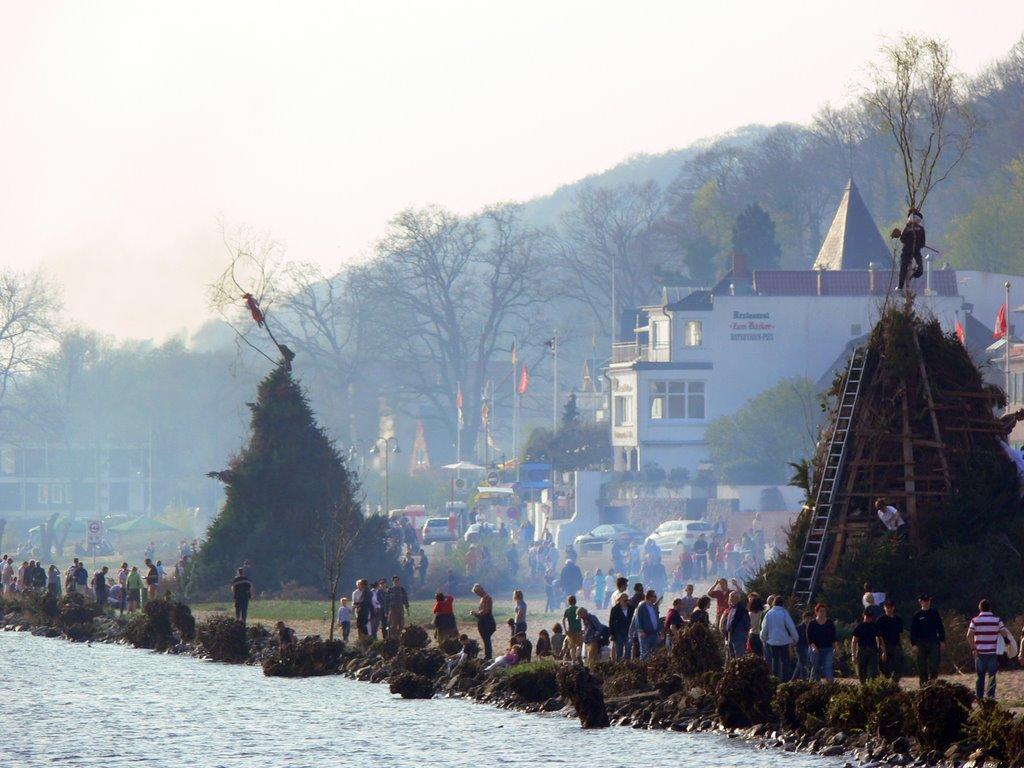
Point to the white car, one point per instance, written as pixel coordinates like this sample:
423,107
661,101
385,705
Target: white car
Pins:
436,529
675,533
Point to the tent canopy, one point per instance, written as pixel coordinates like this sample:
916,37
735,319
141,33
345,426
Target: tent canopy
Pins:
142,525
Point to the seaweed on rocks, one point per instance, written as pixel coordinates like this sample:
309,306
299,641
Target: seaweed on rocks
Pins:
450,646
696,650
941,709
183,622
427,662
745,692
412,686
785,698
534,681
991,729
583,690
893,716
415,637
310,657
223,639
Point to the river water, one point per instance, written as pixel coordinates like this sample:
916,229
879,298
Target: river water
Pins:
70,704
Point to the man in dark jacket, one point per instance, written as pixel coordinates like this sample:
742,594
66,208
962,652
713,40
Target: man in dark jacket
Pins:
619,619
736,626
571,578
890,627
928,638
912,236
241,593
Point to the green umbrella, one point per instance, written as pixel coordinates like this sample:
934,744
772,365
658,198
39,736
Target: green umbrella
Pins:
142,525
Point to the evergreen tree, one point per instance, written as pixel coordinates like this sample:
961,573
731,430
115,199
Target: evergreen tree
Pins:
753,235
570,413
284,489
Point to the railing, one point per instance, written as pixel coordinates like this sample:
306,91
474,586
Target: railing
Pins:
628,352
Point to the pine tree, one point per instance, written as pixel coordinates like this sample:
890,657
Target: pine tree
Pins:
284,490
570,413
753,235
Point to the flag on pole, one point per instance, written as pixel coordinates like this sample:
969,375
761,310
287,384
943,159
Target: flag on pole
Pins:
524,381
485,414
960,333
514,358
1000,330
458,406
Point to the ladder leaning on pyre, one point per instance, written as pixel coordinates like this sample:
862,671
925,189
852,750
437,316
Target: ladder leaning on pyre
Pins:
809,568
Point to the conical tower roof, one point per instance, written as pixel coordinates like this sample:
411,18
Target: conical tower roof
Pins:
853,240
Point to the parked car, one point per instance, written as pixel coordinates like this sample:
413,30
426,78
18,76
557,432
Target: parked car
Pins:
605,535
436,529
476,530
675,533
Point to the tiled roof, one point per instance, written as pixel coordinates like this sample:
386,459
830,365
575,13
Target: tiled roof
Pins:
853,240
847,282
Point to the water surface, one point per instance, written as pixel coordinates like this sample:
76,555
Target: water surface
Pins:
70,704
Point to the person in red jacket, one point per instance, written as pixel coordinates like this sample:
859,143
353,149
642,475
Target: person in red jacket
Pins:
444,617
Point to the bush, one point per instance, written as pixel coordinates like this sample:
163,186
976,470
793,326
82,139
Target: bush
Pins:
893,717
784,701
310,657
450,646
158,612
844,711
989,727
813,704
183,621
534,681
941,709
73,612
622,677
745,692
412,686
39,608
386,648
223,639
137,631
415,637
576,684
421,662
696,650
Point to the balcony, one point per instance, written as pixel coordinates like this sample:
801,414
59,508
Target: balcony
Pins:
631,352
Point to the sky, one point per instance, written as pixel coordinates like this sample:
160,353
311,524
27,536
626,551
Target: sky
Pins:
129,131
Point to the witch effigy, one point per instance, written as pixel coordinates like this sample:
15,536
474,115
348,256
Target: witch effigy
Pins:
912,236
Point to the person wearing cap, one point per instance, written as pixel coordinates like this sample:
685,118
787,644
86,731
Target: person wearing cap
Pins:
912,236
867,647
927,638
890,629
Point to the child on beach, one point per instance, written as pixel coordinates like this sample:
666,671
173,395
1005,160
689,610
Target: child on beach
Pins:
345,618
557,641
543,647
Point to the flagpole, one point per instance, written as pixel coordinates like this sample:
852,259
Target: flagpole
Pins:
1007,286
554,396
458,424
515,406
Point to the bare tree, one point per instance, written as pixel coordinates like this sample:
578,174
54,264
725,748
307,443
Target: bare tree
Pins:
28,318
921,101
446,293
612,231
338,529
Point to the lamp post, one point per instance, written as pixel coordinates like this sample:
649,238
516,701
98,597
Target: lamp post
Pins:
376,450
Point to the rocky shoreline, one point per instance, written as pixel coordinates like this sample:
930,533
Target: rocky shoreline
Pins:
677,692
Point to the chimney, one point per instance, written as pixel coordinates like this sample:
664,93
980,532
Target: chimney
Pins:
872,288
739,266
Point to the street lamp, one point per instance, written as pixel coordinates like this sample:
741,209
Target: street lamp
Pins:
376,450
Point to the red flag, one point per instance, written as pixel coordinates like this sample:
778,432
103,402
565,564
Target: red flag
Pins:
1000,329
524,381
960,333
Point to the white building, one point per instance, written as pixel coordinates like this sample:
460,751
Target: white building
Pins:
704,354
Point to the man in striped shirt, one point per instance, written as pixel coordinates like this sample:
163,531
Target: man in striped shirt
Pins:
983,635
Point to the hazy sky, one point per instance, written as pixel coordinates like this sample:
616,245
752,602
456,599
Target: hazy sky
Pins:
128,128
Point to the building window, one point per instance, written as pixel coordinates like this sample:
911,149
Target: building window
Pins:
693,333
623,410
659,334
677,400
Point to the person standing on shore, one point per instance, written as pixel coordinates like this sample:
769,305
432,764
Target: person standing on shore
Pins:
7,575
592,631
573,629
689,601
619,619
99,587
345,618
153,579
983,634
520,608
362,602
866,647
398,604
241,593
81,576
134,589
927,638
890,629
647,624
53,581
736,627
821,639
122,580
444,617
778,633
484,615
